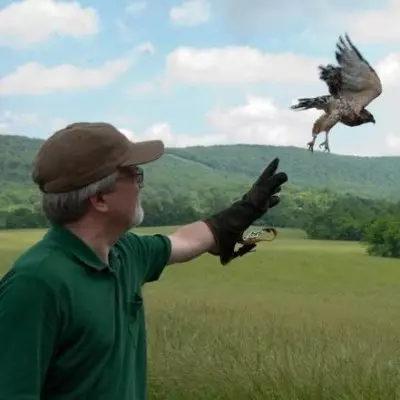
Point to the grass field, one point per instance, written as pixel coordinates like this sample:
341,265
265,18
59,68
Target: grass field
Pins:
298,319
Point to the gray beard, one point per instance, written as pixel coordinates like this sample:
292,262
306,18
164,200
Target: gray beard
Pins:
139,214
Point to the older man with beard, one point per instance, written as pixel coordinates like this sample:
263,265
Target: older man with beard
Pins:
72,323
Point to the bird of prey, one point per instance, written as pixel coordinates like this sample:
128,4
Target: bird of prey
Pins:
353,84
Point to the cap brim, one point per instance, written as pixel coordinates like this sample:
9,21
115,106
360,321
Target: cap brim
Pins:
144,152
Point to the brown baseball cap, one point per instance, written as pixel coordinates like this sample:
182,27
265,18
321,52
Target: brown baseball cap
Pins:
84,152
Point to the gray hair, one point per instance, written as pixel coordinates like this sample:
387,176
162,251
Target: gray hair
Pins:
68,207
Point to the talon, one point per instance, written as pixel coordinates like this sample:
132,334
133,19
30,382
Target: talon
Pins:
326,145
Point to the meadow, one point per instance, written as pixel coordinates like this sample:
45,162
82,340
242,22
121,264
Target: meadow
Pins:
297,319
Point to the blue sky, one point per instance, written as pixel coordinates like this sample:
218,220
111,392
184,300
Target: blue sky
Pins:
191,72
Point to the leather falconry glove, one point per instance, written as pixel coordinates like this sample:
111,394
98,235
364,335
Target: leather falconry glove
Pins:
228,225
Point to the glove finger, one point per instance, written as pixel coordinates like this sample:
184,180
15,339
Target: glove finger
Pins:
273,201
276,181
268,172
245,249
270,190
226,250
277,190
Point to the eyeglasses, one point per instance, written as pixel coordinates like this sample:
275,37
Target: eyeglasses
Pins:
139,175
134,173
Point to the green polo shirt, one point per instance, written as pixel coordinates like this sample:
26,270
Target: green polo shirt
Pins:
72,327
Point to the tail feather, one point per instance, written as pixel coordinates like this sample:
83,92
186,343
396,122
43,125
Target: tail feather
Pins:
306,103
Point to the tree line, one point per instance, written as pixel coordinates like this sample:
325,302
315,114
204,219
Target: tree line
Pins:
376,223
322,214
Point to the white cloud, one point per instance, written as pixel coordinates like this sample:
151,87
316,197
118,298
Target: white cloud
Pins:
11,122
375,26
146,47
387,104
35,78
258,121
127,132
191,13
164,132
389,70
235,65
171,139
32,21
136,7
144,87
393,142
57,123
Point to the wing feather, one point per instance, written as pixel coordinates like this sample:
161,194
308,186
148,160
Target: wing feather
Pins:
360,84
331,75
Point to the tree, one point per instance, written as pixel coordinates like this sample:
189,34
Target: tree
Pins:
382,237
25,218
346,218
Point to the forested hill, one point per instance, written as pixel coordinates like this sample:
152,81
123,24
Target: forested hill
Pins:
363,176
223,166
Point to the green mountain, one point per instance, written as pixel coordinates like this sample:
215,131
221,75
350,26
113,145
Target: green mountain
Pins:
225,168
363,176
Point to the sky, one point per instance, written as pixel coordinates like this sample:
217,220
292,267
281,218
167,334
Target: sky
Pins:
193,72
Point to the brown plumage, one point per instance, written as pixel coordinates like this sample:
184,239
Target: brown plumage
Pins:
353,84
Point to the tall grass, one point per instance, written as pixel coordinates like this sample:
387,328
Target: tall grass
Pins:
297,319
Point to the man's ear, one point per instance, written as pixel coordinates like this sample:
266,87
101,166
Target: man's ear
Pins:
99,202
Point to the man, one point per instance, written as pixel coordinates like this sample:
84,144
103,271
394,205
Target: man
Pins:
72,321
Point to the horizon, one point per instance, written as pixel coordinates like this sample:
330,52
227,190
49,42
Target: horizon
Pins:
242,144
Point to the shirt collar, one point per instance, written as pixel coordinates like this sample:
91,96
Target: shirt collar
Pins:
76,247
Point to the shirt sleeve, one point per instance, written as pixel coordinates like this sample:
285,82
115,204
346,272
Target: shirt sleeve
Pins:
28,329
153,252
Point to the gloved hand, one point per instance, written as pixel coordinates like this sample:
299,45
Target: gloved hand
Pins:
229,225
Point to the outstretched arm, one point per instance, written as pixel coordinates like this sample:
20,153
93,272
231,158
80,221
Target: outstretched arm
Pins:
190,241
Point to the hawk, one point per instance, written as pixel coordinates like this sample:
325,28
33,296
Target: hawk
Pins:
353,84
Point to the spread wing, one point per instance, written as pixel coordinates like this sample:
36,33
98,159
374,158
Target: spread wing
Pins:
332,76
360,84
